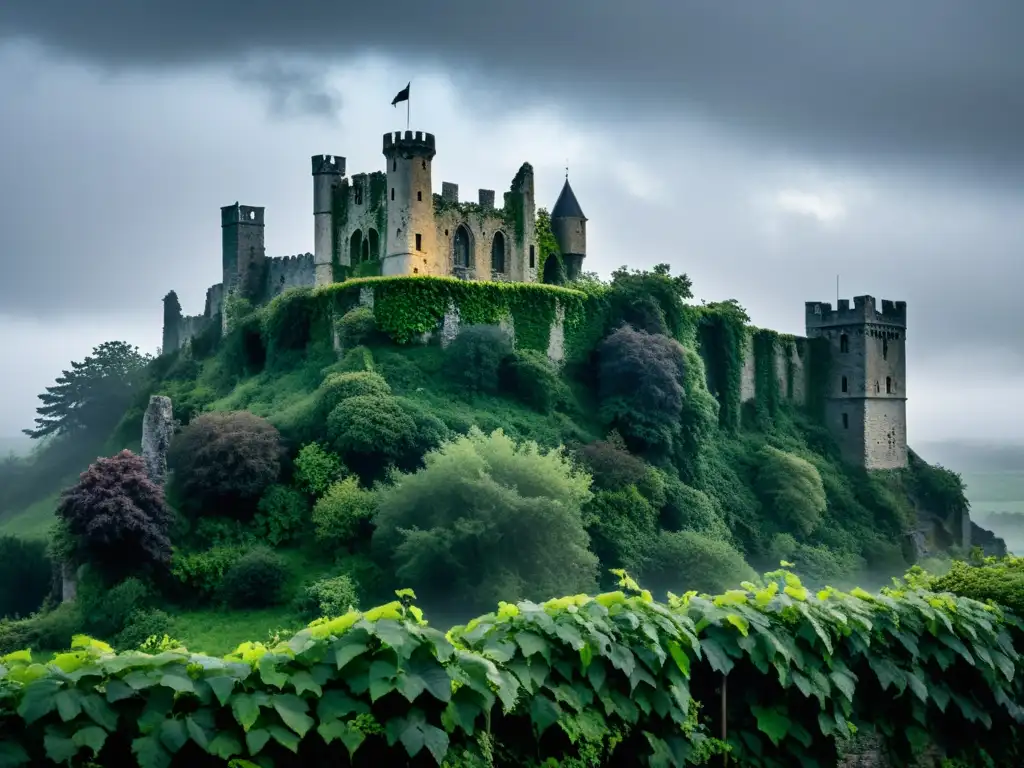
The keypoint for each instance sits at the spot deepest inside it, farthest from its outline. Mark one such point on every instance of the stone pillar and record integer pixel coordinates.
(68, 582)
(157, 430)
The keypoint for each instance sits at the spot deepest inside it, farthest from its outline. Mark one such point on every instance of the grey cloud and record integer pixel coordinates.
(293, 88)
(941, 79)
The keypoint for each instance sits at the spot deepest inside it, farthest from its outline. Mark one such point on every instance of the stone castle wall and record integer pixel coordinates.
(796, 394)
(286, 272)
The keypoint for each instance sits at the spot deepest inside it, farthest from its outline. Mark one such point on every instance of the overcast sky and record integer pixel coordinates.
(762, 148)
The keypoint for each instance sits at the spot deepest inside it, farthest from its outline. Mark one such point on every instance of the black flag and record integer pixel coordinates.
(403, 95)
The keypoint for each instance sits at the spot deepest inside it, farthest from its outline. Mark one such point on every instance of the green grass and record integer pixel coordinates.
(216, 631)
(33, 522)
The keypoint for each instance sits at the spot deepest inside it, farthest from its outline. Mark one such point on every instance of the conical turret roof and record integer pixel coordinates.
(567, 206)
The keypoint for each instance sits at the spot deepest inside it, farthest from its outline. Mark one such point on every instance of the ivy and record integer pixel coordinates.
(339, 222)
(617, 678)
(547, 245)
(407, 307)
(723, 338)
(819, 375)
(766, 382)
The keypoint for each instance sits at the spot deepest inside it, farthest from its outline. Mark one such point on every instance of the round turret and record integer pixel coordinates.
(569, 226)
(410, 201)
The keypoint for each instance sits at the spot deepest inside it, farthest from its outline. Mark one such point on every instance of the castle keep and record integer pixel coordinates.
(390, 223)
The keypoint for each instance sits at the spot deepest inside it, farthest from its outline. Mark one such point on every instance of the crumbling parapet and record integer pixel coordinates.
(157, 430)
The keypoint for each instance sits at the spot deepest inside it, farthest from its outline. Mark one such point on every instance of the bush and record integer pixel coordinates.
(684, 561)
(535, 381)
(202, 573)
(641, 388)
(316, 470)
(224, 461)
(357, 327)
(222, 532)
(791, 490)
(344, 514)
(487, 519)
(106, 611)
(140, 626)
(475, 358)
(328, 597)
(117, 516)
(281, 514)
(371, 432)
(621, 524)
(612, 466)
(689, 509)
(338, 387)
(255, 580)
(26, 576)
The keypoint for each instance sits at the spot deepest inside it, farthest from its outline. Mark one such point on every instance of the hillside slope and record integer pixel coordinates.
(690, 488)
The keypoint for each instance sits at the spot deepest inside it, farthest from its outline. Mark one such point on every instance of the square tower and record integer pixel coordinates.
(866, 399)
(242, 250)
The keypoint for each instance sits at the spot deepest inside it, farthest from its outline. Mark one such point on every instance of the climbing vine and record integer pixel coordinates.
(766, 382)
(723, 338)
(547, 245)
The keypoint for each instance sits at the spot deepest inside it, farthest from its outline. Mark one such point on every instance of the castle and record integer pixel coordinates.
(390, 223)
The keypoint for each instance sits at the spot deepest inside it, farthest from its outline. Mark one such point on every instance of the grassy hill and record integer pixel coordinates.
(689, 486)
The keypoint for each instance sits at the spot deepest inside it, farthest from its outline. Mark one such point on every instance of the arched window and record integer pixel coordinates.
(374, 241)
(844, 343)
(498, 253)
(355, 246)
(845, 385)
(462, 247)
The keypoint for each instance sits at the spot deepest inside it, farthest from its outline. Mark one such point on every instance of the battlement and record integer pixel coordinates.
(328, 165)
(449, 192)
(297, 258)
(819, 314)
(241, 214)
(486, 198)
(409, 144)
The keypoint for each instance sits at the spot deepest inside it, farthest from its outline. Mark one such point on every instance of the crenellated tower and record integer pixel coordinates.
(243, 253)
(328, 171)
(866, 399)
(411, 248)
(569, 226)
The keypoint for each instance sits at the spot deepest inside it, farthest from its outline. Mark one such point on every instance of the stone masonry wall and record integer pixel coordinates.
(286, 272)
(748, 377)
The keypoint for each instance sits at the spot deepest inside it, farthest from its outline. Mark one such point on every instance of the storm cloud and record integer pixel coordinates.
(763, 148)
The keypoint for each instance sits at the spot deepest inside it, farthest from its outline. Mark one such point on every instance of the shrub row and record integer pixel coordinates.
(613, 679)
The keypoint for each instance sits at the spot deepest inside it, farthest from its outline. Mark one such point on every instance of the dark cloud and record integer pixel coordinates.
(936, 78)
(293, 88)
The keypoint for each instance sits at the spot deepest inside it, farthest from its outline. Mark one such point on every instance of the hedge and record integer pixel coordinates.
(608, 680)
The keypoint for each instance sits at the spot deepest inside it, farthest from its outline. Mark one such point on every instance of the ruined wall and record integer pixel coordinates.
(790, 372)
(284, 272)
(483, 227)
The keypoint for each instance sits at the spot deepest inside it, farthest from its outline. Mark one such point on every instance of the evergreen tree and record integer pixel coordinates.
(93, 394)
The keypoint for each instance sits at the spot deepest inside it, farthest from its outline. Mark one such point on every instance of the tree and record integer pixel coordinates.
(641, 387)
(488, 519)
(93, 394)
(685, 560)
(117, 517)
(224, 461)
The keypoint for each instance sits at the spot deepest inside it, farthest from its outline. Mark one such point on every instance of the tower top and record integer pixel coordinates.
(328, 165)
(409, 144)
(567, 206)
(241, 214)
(819, 314)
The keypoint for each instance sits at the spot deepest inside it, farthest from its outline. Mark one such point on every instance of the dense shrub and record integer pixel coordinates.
(26, 576)
(534, 380)
(106, 610)
(622, 525)
(370, 433)
(140, 626)
(202, 573)
(341, 386)
(689, 509)
(256, 580)
(49, 630)
(117, 516)
(223, 461)
(686, 560)
(487, 519)
(475, 357)
(641, 387)
(281, 515)
(791, 489)
(316, 469)
(357, 327)
(816, 564)
(998, 579)
(611, 465)
(344, 514)
(330, 597)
